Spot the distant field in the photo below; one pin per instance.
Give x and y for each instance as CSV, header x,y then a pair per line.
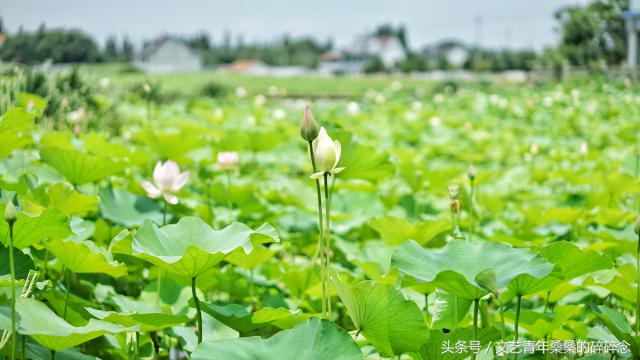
x,y
298,86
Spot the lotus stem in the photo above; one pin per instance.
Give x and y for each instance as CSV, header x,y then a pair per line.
x,y
229,200
476,305
472,215
327,244
320,249
53,355
199,313
13,292
518,305
638,288
66,293
137,345
164,213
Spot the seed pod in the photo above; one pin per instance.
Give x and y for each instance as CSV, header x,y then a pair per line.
x,y
308,127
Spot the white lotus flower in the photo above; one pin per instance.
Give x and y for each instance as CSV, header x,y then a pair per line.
x,y
167,181
228,160
327,155
76,115
584,149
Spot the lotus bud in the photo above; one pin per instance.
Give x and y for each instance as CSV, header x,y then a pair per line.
x,y
309,127
471,172
584,149
326,152
535,149
10,213
636,227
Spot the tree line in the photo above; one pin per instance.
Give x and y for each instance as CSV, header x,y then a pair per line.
x,y
590,35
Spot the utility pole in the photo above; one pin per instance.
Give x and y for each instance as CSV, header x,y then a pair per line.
x,y
632,20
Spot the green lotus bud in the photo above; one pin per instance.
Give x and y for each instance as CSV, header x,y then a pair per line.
x,y
308,127
636,227
10,213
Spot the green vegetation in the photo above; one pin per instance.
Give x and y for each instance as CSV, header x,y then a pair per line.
x,y
142,219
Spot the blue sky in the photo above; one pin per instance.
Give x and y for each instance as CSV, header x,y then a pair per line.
x,y
504,23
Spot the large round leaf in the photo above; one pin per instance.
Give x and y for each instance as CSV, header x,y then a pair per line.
x,y
80,168
570,262
123,207
467,269
239,318
147,322
83,256
391,323
15,130
51,331
311,340
190,247
31,229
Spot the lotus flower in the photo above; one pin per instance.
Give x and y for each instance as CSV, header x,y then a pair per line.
x,y
167,181
327,155
228,160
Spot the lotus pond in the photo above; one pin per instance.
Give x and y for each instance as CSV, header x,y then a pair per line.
x,y
438,222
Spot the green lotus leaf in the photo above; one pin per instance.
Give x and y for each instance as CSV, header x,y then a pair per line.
x,y
394,230
363,161
619,327
124,208
15,130
85,257
542,325
51,331
470,270
438,339
32,102
63,197
391,323
313,339
239,318
570,262
258,256
190,247
449,310
22,261
147,321
29,229
80,168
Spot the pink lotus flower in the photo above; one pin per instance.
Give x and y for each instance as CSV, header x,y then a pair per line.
x,y
228,160
167,181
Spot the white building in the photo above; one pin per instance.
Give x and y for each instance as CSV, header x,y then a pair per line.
x,y
167,55
387,47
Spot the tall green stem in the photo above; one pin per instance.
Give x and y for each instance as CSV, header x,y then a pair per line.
x,y
164,213
638,288
66,292
229,199
476,304
199,313
472,212
518,305
320,249
327,219
13,292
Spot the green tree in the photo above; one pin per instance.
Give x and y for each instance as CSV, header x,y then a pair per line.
x,y
111,52
593,33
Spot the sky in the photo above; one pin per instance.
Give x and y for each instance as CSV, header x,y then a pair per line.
x,y
491,23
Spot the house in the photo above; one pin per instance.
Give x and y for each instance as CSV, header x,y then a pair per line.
x,y
387,47
454,52
166,55
353,59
